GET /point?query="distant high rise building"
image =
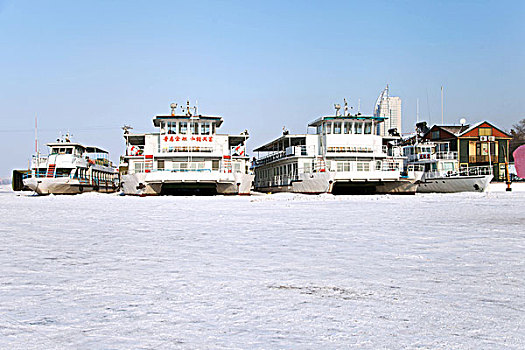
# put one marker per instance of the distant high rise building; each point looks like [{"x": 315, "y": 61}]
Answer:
[{"x": 388, "y": 107}]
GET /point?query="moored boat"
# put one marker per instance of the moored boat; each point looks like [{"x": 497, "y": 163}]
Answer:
[
  {"x": 185, "y": 155},
  {"x": 343, "y": 155},
  {"x": 71, "y": 168},
  {"x": 441, "y": 170}
]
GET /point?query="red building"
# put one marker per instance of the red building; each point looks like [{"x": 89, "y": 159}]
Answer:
[{"x": 478, "y": 145}]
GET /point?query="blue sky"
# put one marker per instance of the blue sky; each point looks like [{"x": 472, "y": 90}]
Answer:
[{"x": 91, "y": 66}]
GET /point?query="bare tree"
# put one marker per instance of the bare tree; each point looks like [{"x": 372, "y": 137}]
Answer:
[{"x": 518, "y": 136}]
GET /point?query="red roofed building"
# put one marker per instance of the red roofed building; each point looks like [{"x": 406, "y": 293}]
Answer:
[{"x": 477, "y": 145}]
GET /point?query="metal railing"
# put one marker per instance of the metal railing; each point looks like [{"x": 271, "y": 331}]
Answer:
[
  {"x": 483, "y": 159},
  {"x": 357, "y": 149},
  {"x": 465, "y": 171}
]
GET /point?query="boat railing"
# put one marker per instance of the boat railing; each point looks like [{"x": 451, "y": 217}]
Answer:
[
  {"x": 415, "y": 167},
  {"x": 291, "y": 151},
  {"x": 464, "y": 171},
  {"x": 357, "y": 149},
  {"x": 179, "y": 149},
  {"x": 476, "y": 170},
  {"x": 39, "y": 159},
  {"x": 185, "y": 170},
  {"x": 446, "y": 155}
]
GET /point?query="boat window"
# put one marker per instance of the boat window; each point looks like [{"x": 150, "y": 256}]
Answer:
[
  {"x": 433, "y": 166},
  {"x": 337, "y": 127},
  {"x": 194, "y": 128},
  {"x": 448, "y": 166},
  {"x": 348, "y": 128},
  {"x": 319, "y": 129},
  {"x": 139, "y": 167},
  {"x": 328, "y": 128},
  {"x": 213, "y": 128},
  {"x": 205, "y": 128},
  {"x": 378, "y": 165},
  {"x": 183, "y": 127},
  {"x": 368, "y": 128},
  {"x": 172, "y": 127},
  {"x": 160, "y": 165},
  {"x": 358, "y": 127}
]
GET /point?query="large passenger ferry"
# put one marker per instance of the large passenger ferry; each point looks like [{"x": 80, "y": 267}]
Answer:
[
  {"x": 71, "y": 168},
  {"x": 342, "y": 154},
  {"x": 185, "y": 155}
]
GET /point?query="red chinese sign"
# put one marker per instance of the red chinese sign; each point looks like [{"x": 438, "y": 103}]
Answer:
[{"x": 178, "y": 138}]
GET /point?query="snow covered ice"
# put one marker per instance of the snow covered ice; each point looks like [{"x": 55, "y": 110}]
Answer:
[{"x": 99, "y": 271}]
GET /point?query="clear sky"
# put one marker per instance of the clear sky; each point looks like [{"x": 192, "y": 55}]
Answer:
[{"x": 91, "y": 66}]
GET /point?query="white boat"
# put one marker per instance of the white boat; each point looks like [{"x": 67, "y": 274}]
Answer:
[
  {"x": 441, "y": 171},
  {"x": 345, "y": 154},
  {"x": 71, "y": 168},
  {"x": 185, "y": 156}
]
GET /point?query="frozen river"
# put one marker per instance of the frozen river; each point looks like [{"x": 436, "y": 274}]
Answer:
[{"x": 101, "y": 271}]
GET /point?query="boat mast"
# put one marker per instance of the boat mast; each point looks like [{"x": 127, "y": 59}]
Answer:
[
  {"x": 442, "y": 105},
  {"x": 36, "y": 142}
]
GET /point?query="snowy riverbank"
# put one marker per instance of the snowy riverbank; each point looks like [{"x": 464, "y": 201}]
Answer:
[{"x": 268, "y": 271}]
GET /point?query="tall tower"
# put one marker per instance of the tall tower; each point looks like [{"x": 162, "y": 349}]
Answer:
[{"x": 388, "y": 107}]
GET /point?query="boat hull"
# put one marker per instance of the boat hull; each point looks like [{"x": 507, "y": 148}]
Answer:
[
  {"x": 454, "y": 184},
  {"x": 330, "y": 182},
  {"x": 166, "y": 183},
  {"x": 45, "y": 186},
  {"x": 64, "y": 185}
]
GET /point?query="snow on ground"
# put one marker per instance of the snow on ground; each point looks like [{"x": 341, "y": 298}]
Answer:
[{"x": 98, "y": 271}]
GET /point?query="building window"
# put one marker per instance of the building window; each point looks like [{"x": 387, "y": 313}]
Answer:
[
  {"x": 435, "y": 135},
  {"x": 485, "y": 131}
]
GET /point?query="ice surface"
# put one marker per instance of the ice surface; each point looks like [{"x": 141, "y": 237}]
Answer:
[{"x": 99, "y": 271}]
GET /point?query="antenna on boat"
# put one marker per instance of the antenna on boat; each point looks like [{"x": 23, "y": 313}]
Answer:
[
  {"x": 36, "y": 143},
  {"x": 127, "y": 128},
  {"x": 358, "y": 106},
  {"x": 195, "y": 107},
  {"x": 173, "y": 107},
  {"x": 36, "y": 134},
  {"x": 346, "y": 106},
  {"x": 188, "y": 113},
  {"x": 337, "y": 107},
  {"x": 417, "y": 110},
  {"x": 441, "y": 105}
]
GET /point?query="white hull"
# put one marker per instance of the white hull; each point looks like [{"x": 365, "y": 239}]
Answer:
[
  {"x": 63, "y": 185},
  {"x": 325, "y": 182},
  {"x": 157, "y": 183},
  {"x": 453, "y": 184}
]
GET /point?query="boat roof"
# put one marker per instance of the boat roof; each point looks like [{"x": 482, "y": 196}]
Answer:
[
  {"x": 270, "y": 146},
  {"x": 345, "y": 117},
  {"x": 93, "y": 149},
  {"x": 88, "y": 149},
  {"x": 65, "y": 144},
  {"x": 158, "y": 118}
]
